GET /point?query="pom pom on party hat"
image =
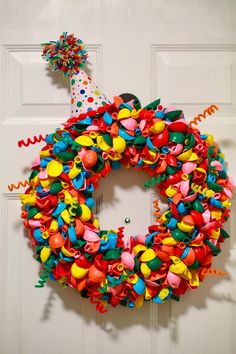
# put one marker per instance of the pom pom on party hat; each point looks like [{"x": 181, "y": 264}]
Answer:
[{"x": 68, "y": 55}]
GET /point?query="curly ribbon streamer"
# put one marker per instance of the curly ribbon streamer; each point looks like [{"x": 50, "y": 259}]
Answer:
[
  {"x": 208, "y": 111},
  {"x": 219, "y": 223},
  {"x": 72, "y": 209},
  {"x": 99, "y": 305},
  {"x": 158, "y": 216},
  {"x": 34, "y": 140},
  {"x": 204, "y": 191},
  {"x": 45, "y": 273},
  {"x": 155, "y": 180},
  {"x": 19, "y": 185},
  {"x": 120, "y": 236},
  {"x": 214, "y": 272}
]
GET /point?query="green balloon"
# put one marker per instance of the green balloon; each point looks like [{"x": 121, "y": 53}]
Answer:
[{"x": 154, "y": 264}]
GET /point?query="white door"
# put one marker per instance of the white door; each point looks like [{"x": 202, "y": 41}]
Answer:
[{"x": 182, "y": 51}]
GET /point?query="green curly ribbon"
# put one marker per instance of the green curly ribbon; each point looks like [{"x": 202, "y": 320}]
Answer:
[
  {"x": 45, "y": 273},
  {"x": 155, "y": 180}
]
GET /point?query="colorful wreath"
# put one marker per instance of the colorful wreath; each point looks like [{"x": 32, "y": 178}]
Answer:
[{"x": 187, "y": 168}]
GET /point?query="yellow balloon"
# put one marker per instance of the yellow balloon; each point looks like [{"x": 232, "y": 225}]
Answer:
[
  {"x": 54, "y": 168},
  {"x": 38, "y": 216},
  {"x": 210, "y": 139},
  {"x": 54, "y": 225},
  {"x": 185, "y": 227},
  {"x": 68, "y": 199},
  {"x": 86, "y": 213},
  {"x": 171, "y": 191},
  {"x": 139, "y": 248},
  {"x": 45, "y": 153},
  {"x": 215, "y": 234},
  {"x": 185, "y": 155},
  {"x": 124, "y": 113},
  {"x": 66, "y": 252},
  {"x": 135, "y": 114},
  {"x": 146, "y": 271},
  {"x": 169, "y": 241},
  {"x": 84, "y": 140},
  {"x": 148, "y": 255},
  {"x": 78, "y": 272},
  {"x": 44, "y": 254},
  {"x": 45, "y": 182},
  {"x": 216, "y": 214},
  {"x": 163, "y": 293},
  {"x": 75, "y": 171},
  {"x": 158, "y": 127},
  {"x": 227, "y": 203},
  {"x": 178, "y": 267},
  {"x": 194, "y": 281},
  {"x": 65, "y": 216},
  {"x": 119, "y": 144},
  {"x": 102, "y": 144},
  {"x": 28, "y": 199}
]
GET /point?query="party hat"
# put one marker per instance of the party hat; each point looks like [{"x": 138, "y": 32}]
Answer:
[{"x": 69, "y": 56}]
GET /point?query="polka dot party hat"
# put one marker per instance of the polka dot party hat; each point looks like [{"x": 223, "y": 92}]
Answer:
[{"x": 69, "y": 56}]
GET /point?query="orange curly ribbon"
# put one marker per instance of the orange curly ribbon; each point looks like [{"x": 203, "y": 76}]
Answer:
[
  {"x": 18, "y": 185},
  {"x": 208, "y": 111}
]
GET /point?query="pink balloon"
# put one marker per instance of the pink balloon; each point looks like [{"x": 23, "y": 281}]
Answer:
[
  {"x": 141, "y": 239},
  {"x": 36, "y": 161},
  {"x": 228, "y": 192},
  {"x": 190, "y": 198},
  {"x": 92, "y": 127},
  {"x": 170, "y": 109},
  {"x": 184, "y": 188},
  {"x": 91, "y": 236},
  {"x": 43, "y": 174},
  {"x": 208, "y": 226},
  {"x": 217, "y": 165},
  {"x": 130, "y": 123},
  {"x": 188, "y": 167},
  {"x": 173, "y": 279},
  {"x": 177, "y": 149},
  {"x": 82, "y": 152},
  {"x": 92, "y": 247},
  {"x": 142, "y": 124},
  {"x": 206, "y": 216},
  {"x": 128, "y": 260},
  {"x": 34, "y": 223}
]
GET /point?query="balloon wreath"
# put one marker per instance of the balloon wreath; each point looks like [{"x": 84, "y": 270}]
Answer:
[{"x": 187, "y": 168}]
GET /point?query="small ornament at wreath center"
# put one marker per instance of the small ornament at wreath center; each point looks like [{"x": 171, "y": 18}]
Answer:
[{"x": 186, "y": 166}]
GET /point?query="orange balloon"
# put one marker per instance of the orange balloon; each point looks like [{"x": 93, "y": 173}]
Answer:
[
  {"x": 96, "y": 275},
  {"x": 81, "y": 284},
  {"x": 90, "y": 158},
  {"x": 56, "y": 240},
  {"x": 79, "y": 227}
]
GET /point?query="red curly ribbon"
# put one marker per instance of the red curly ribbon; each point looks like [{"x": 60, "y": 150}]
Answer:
[
  {"x": 99, "y": 305},
  {"x": 34, "y": 140}
]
